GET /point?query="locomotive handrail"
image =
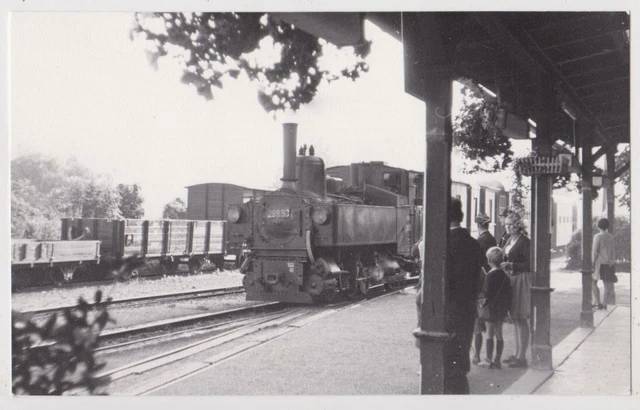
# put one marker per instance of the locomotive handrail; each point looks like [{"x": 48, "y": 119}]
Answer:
[{"x": 309, "y": 251}]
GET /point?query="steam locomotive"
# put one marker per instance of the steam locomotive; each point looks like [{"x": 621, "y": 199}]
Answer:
[{"x": 316, "y": 237}]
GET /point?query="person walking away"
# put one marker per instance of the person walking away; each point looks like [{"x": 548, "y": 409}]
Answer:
[
  {"x": 516, "y": 250},
  {"x": 464, "y": 266},
  {"x": 486, "y": 241},
  {"x": 604, "y": 258},
  {"x": 497, "y": 291}
]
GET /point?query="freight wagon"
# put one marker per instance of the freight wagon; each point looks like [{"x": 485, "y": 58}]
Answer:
[
  {"x": 105, "y": 245},
  {"x": 55, "y": 260},
  {"x": 169, "y": 241}
]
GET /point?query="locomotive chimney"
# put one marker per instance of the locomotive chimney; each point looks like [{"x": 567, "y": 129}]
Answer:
[{"x": 289, "y": 159}]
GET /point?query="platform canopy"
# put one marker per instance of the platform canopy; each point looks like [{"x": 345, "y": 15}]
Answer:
[{"x": 585, "y": 54}]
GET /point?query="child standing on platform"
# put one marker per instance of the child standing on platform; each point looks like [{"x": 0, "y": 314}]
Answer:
[{"x": 497, "y": 291}]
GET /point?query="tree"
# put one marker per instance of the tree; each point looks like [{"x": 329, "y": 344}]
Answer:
[
  {"x": 102, "y": 200},
  {"x": 625, "y": 178},
  {"x": 213, "y": 46},
  {"x": 175, "y": 209},
  {"x": 43, "y": 172},
  {"x": 31, "y": 216},
  {"x": 131, "y": 201}
]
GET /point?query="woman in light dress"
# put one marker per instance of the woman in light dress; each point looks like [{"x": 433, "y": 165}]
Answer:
[{"x": 517, "y": 266}]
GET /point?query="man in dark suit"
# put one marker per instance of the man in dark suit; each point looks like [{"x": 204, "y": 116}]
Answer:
[{"x": 465, "y": 260}]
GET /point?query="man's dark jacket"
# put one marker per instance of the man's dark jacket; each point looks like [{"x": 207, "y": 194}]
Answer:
[
  {"x": 465, "y": 258},
  {"x": 486, "y": 241}
]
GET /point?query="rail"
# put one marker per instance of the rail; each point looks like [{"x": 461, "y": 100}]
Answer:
[{"x": 202, "y": 293}]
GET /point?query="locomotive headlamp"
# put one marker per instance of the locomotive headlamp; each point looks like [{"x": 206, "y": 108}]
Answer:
[
  {"x": 234, "y": 214},
  {"x": 321, "y": 216}
]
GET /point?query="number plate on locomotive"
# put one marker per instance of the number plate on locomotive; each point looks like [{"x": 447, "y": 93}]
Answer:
[{"x": 278, "y": 213}]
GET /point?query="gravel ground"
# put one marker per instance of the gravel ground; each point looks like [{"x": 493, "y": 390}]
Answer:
[{"x": 133, "y": 288}]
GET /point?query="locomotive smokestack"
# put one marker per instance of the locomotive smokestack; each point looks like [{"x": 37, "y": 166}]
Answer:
[{"x": 289, "y": 159}]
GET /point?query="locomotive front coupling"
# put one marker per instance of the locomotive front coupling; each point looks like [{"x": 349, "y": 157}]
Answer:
[{"x": 275, "y": 279}]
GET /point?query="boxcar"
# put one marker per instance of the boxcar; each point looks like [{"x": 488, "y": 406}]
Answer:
[{"x": 211, "y": 201}]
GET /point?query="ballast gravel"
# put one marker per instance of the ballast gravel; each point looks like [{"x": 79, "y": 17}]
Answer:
[{"x": 124, "y": 290}]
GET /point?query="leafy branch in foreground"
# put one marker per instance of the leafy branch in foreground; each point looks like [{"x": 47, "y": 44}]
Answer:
[
  {"x": 56, "y": 357},
  {"x": 283, "y": 60}
]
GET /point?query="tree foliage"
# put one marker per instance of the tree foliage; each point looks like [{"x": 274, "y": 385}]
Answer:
[
  {"x": 43, "y": 190},
  {"x": 175, "y": 209},
  {"x": 518, "y": 194},
  {"x": 101, "y": 200},
  {"x": 625, "y": 197},
  {"x": 622, "y": 242},
  {"x": 131, "y": 201},
  {"x": 477, "y": 132},
  {"x": 56, "y": 357},
  {"x": 213, "y": 46}
]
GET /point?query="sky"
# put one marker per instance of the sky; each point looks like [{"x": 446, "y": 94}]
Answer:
[{"x": 80, "y": 87}]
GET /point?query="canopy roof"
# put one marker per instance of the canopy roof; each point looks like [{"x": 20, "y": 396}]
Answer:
[{"x": 584, "y": 54}]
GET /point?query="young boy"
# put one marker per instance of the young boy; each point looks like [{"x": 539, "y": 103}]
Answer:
[{"x": 497, "y": 291}]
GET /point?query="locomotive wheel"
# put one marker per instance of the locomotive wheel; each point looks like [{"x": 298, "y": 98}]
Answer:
[
  {"x": 171, "y": 266},
  {"x": 330, "y": 297},
  {"x": 123, "y": 276},
  {"x": 215, "y": 263},
  {"x": 352, "y": 292},
  {"x": 59, "y": 275},
  {"x": 395, "y": 284},
  {"x": 125, "y": 273},
  {"x": 364, "y": 286},
  {"x": 54, "y": 275},
  {"x": 195, "y": 265}
]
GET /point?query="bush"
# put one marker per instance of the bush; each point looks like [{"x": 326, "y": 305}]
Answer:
[
  {"x": 574, "y": 251},
  {"x": 622, "y": 238},
  {"x": 56, "y": 357}
]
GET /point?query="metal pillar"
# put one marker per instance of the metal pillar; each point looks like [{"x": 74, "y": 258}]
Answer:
[
  {"x": 586, "y": 315},
  {"x": 541, "y": 219},
  {"x": 425, "y": 59}
]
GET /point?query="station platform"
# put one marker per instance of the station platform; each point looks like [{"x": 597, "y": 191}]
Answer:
[{"x": 368, "y": 349}]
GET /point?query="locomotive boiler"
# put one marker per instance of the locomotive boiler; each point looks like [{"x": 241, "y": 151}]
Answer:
[{"x": 316, "y": 237}]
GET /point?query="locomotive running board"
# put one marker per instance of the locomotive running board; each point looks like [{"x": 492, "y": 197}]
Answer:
[{"x": 290, "y": 297}]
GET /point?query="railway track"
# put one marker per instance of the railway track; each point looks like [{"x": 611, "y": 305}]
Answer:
[
  {"x": 176, "y": 325},
  {"x": 101, "y": 282},
  {"x": 229, "y": 338},
  {"x": 203, "y": 293},
  {"x": 150, "y": 373}
]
